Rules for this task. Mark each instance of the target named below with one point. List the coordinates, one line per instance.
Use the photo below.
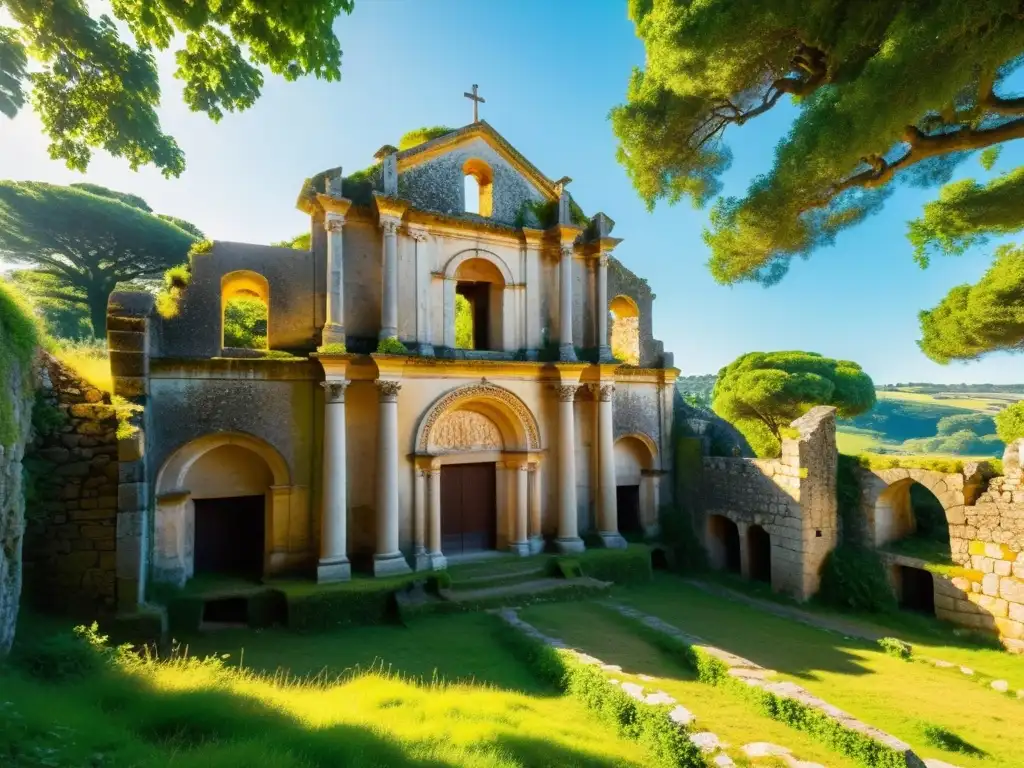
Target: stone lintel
(570, 373)
(335, 366)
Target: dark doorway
(726, 538)
(917, 592)
(479, 296)
(759, 550)
(230, 536)
(468, 508)
(627, 498)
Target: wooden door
(468, 508)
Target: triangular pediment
(461, 137)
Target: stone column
(421, 560)
(604, 351)
(333, 564)
(334, 328)
(448, 312)
(566, 350)
(536, 534)
(607, 506)
(568, 530)
(424, 335)
(388, 559)
(389, 297)
(520, 501)
(437, 560)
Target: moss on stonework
(422, 135)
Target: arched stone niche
(636, 465)
(224, 465)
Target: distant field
(982, 402)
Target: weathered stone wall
(623, 282)
(70, 539)
(18, 383)
(792, 498)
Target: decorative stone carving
(388, 390)
(566, 392)
(389, 174)
(603, 391)
(457, 397)
(389, 226)
(567, 250)
(334, 222)
(462, 431)
(334, 391)
(419, 235)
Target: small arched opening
(910, 519)
(723, 544)
(479, 307)
(759, 550)
(625, 325)
(632, 487)
(245, 310)
(478, 186)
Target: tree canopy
(1010, 422)
(760, 393)
(93, 90)
(84, 243)
(975, 319)
(887, 91)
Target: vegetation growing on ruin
(419, 136)
(20, 336)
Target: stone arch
(885, 501)
(515, 423)
(636, 487)
(240, 466)
(451, 268)
(625, 329)
(480, 180)
(723, 543)
(244, 284)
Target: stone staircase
(501, 579)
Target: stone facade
(70, 541)
(345, 451)
(792, 499)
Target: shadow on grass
(943, 738)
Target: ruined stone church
(367, 435)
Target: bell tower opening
(478, 186)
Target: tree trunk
(98, 311)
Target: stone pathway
(757, 676)
(709, 743)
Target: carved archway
(512, 420)
(452, 267)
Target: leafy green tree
(463, 322)
(86, 243)
(63, 307)
(125, 197)
(973, 320)
(93, 90)
(245, 323)
(887, 91)
(760, 393)
(187, 226)
(301, 242)
(1010, 422)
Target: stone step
(496, 578)
(525, 589)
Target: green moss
(20, 337)
(896, 647)
(168, 300)
(125, 411)
(332, 349)
(391, 346)
(200, 247)
(419, 136)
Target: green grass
(591, 629)
(399, 711)
(905, 699)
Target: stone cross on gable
(477, 100)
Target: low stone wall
(18, 385)
(792, 498)
(71, 535)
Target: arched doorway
(245, 310)
(217, 501)
(759, 553)
(635, 485)
(909, 518)
(480, 310)
(625, 341)
(478, 448)
(723, 544)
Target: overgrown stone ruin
(776, 520)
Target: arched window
(478, 185)
(479, 290)
(625, 340)
(245, 306)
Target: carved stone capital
(388, 390)
(566, 392)
(602, 261)
(567, 250)
(389, 225)
(603, 392)
(334, 222)
(334, 391)
(419, 235)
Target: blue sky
(550, 71)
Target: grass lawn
(591, 629)
(906, 699)
(187, 713)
